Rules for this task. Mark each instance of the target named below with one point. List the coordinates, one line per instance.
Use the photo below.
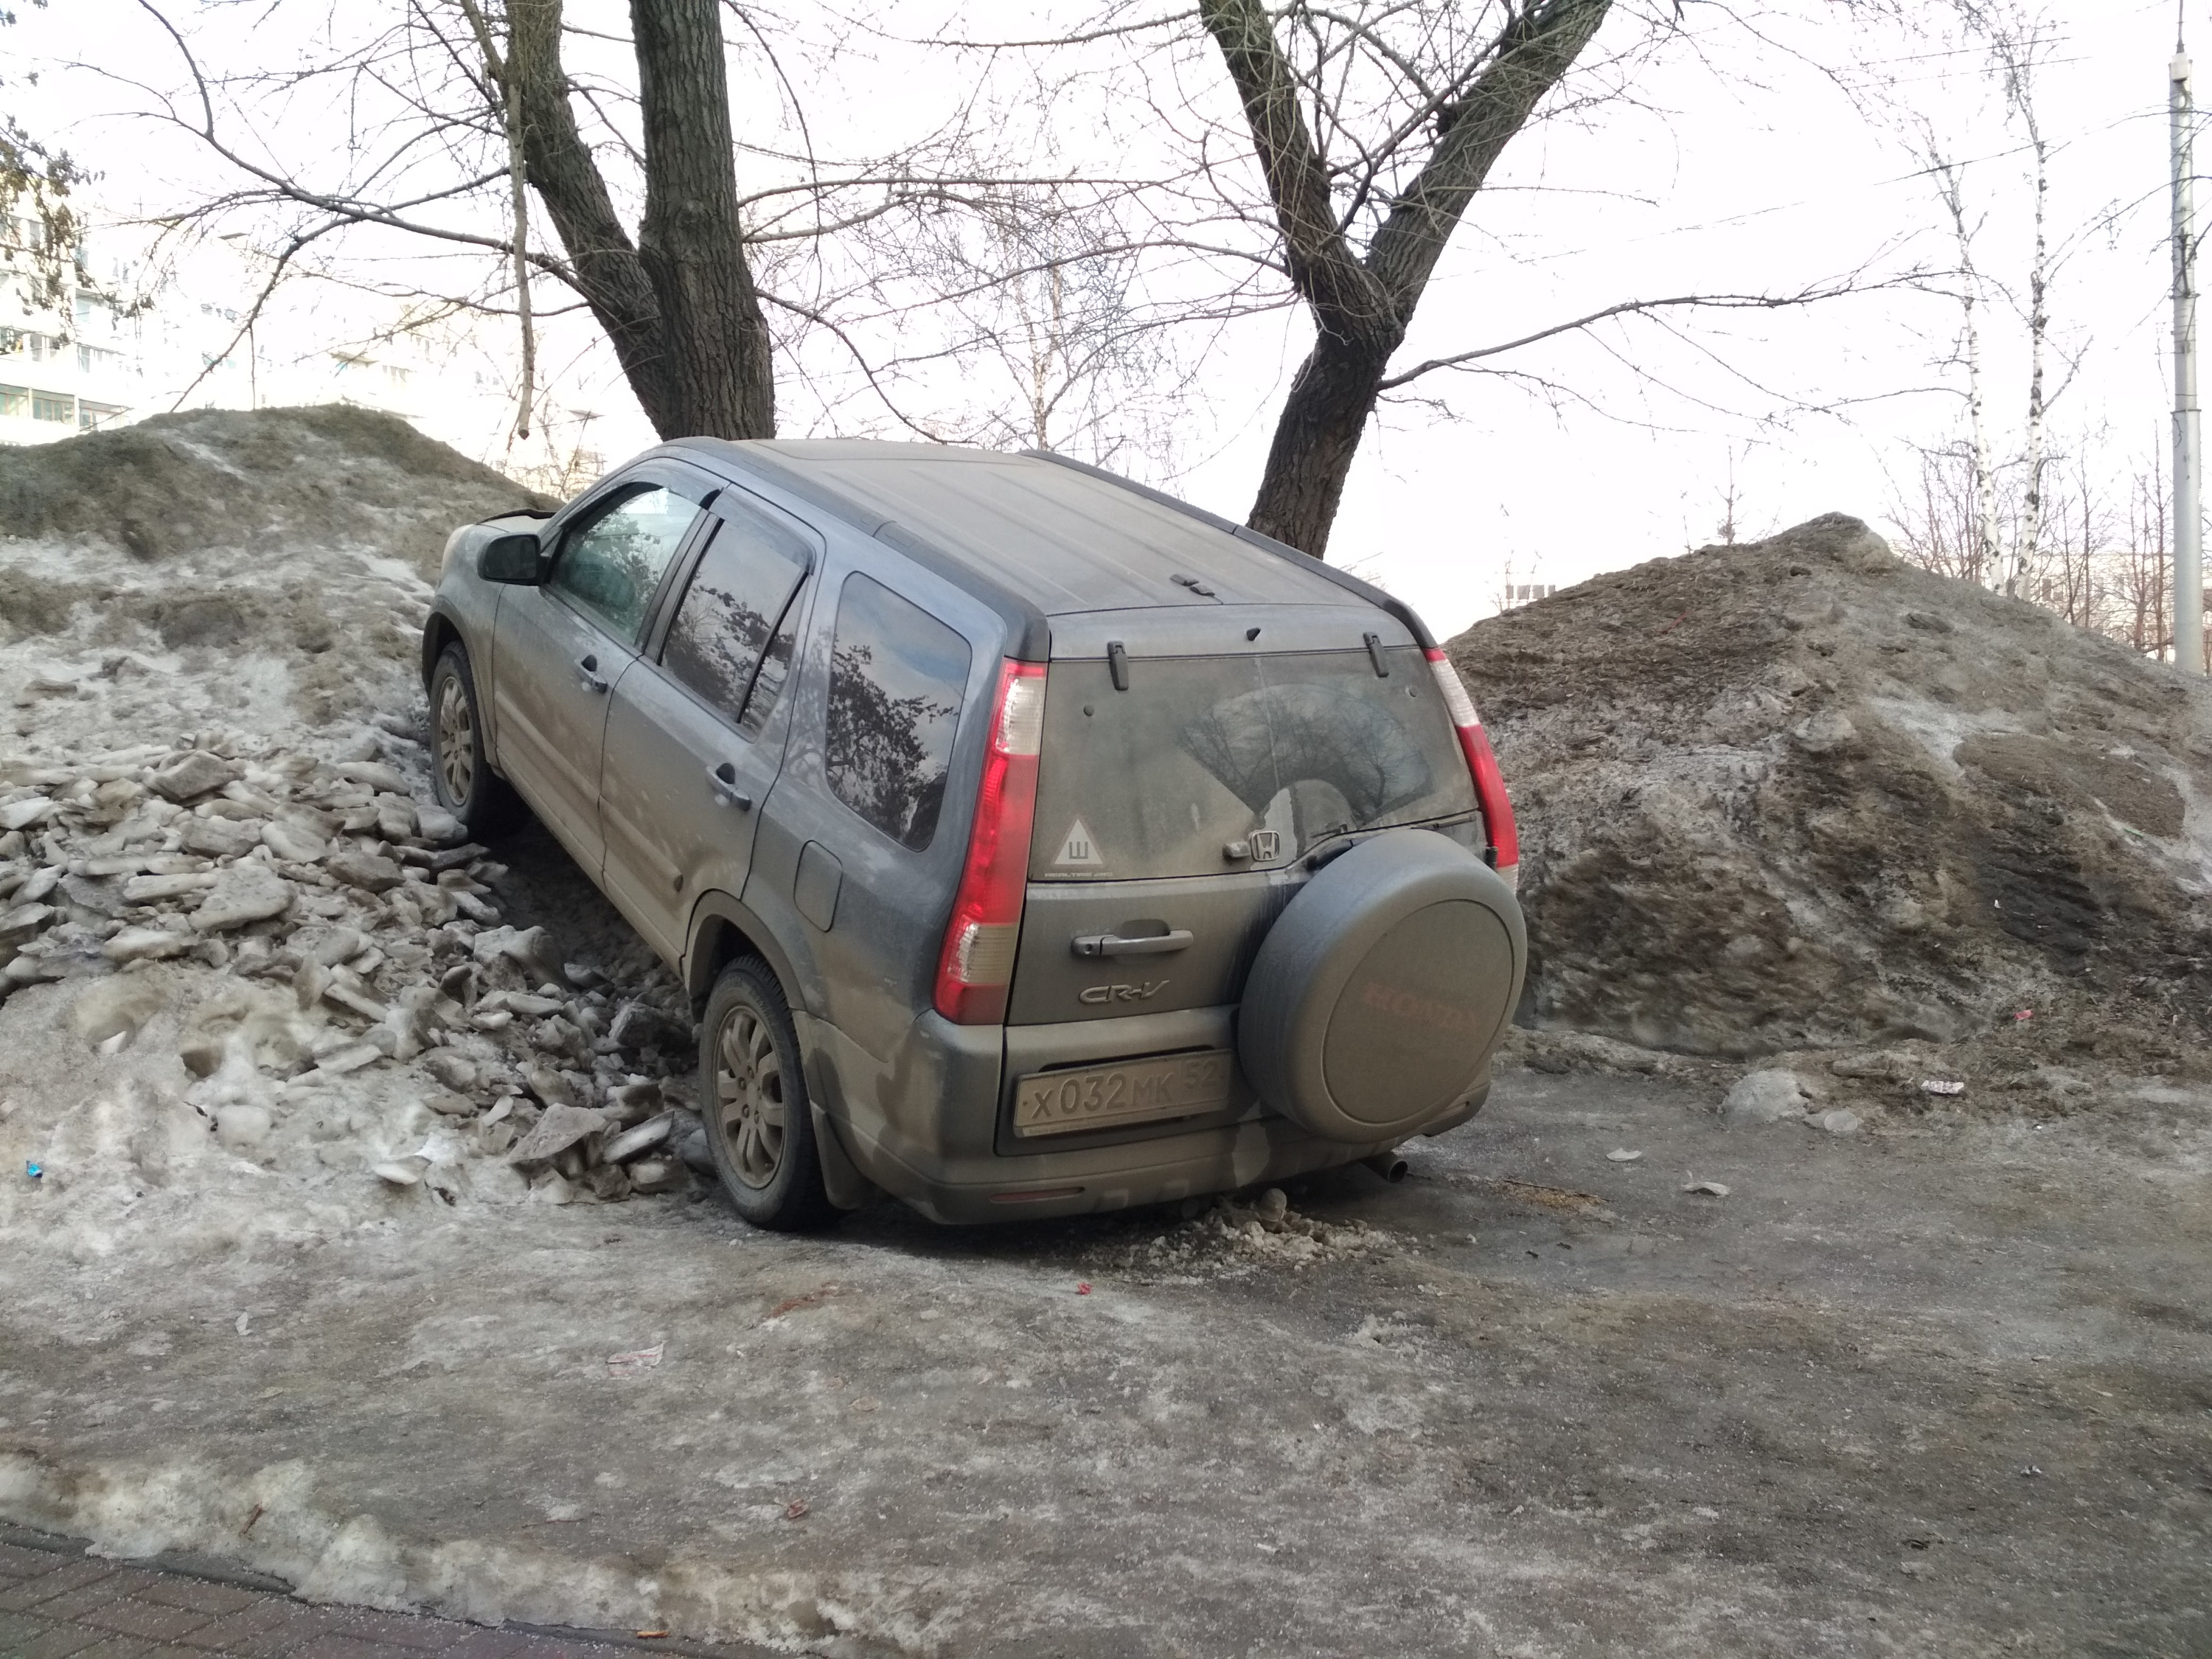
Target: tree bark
(1316, 439)
(2039, 328)
(1362, 307)
(718, 367)
(678, 307)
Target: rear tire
(461, 777)
(752, 1093)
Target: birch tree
(1951, 191)
(2017, 43)
(1055, 340)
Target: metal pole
(2188, 508)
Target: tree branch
(1632, 307)
(1527, 62)
(559, 163)
(1323, 266)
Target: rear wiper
(1330, 843)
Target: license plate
(1133, 1091)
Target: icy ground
(1937, 1390)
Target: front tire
(760, 1126)
(460, 774)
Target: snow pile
(1795, 794)
(176, 487)
(323, 989)
(239, 942)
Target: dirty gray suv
(1031, 842)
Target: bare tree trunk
(2039, 326)
(1982, 566)
(1361, 306)
(717, 362)
(496, 75)
(2163, 557)
(1316, 438)
(517, 175)
(560, 164)
(1985, 479)
(679, 307)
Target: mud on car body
(1031, 842)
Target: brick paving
(57, 1602)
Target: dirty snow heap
(1797, 794)
(238, 940)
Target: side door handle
(588, 674)
(722, 783)
(1145, 944)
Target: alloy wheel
(456, 750)
(750, 1096)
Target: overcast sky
(1741, 166)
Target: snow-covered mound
(265, 483)
(248, 982)
(1796, 795)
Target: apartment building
(71, 362)
(124, 339)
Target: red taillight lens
(1489, 781)
(977, 963)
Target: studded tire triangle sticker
(1079, 849)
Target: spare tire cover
(1378, 997)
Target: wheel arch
(723, 930)
(440, 631)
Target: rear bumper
(931, 1128)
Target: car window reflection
(897, 675)
(612, 565)
(740, 591)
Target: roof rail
(1344, 579)
(1026, 625)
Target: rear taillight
(977, 964)
(1489, 781)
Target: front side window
(611, 564)
(734, 607)
(897, 675)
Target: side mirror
(515, 559)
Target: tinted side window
(896, 678)
(611, 564)
(738, 597)
(775, 670)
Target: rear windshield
(1208, 764)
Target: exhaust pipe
(1391, 1167)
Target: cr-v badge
(1098, 994)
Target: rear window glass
(896, 678)
(1271, 755)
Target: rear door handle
(722, 781)
(1145, 944)
(587, 675)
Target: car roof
(1050, 536)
